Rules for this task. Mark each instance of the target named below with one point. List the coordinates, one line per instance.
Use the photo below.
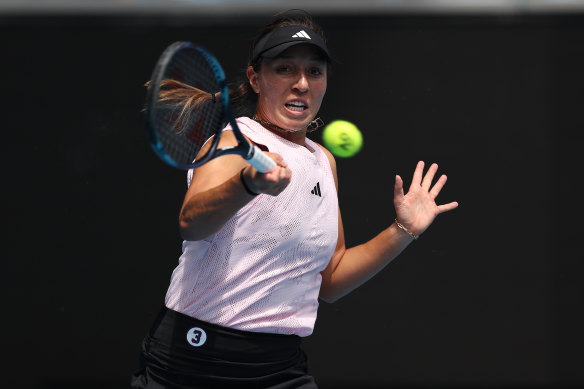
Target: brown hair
(185, 97)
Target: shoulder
(244, 124)
(250, 128)
(331, 160)
(329, 155)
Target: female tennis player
(260, 249)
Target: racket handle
(260, 160)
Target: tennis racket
(177, 132)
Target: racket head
(178, 142)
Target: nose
(301, 84)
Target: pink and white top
(261, 271)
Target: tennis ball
(342, 138)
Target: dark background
(490, 296)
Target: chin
(299, 124)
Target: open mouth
(297, 106)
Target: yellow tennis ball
(342, 138)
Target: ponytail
(186, 98)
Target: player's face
(291, 87)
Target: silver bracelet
(406, 230)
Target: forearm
(358, 264)
(205, 213)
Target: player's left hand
(417, 209)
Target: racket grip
(260, 160)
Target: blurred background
(489, 297)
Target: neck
(291, 135)
(294, 136)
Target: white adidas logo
(301, 34)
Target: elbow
(327, 300)
(185, 232)
(327, 296)
(192, 230)
(186, 229)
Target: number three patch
(196, 337)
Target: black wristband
(245, 185)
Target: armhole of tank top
(249, 134)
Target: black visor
(276, 41)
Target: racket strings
(175, 93)
(189, 110)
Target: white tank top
(261, 271)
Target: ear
(252, 76)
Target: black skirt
(182, 352)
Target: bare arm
(350, 268)
(216, 192)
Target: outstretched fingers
(438, 186)
(398, 189)
(447, 207)
(418, 174)
(429, 177)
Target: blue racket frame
(243, 148)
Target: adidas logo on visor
(301, 34)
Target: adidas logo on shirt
(316, 190)
(301, 34)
